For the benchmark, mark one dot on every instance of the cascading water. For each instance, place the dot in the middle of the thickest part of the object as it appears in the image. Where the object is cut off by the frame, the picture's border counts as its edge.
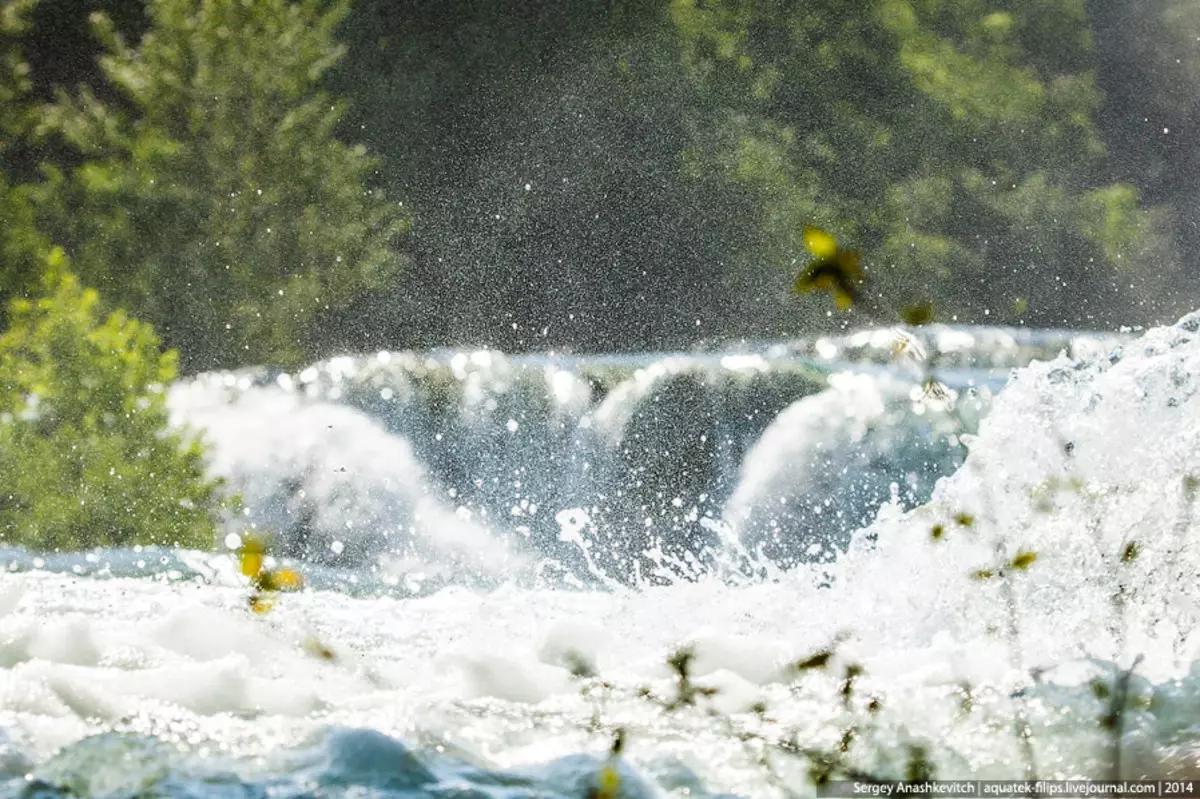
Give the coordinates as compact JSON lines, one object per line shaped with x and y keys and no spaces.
{"x":1028,"y":545}
{"x":356,"y":457}
{"x":642,"y":447}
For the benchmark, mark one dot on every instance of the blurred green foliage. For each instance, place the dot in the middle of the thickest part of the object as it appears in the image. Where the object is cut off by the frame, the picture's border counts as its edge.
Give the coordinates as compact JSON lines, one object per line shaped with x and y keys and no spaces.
{"x":213,"y":200}
{"x":568,"y":165}
{"x":22,"y":243}
{"x":14,"y":71}
{"x":954,"y":141}
{"x":86,"y":457}
{"x":539,"y":147}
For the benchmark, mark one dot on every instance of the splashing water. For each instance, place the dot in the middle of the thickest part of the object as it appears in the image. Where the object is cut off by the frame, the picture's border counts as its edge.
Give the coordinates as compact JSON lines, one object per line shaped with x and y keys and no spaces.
{"x":986,"y":628}
{"x":342,"y":488}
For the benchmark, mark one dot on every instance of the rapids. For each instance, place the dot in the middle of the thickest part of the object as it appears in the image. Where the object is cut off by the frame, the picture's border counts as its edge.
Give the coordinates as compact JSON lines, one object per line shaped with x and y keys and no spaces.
{"x":503,"y":553}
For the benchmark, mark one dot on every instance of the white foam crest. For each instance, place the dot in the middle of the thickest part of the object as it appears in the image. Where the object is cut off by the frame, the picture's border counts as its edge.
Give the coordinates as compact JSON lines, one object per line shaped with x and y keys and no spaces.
{"x":334,"y":482}
{"x":824,"y":465}
{"x":615,"y":412}
{"x":1083,"y":464}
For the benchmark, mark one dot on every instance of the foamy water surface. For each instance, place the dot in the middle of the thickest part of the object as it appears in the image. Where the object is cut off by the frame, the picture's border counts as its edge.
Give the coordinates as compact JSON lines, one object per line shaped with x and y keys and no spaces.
{"x":1062,"y":550}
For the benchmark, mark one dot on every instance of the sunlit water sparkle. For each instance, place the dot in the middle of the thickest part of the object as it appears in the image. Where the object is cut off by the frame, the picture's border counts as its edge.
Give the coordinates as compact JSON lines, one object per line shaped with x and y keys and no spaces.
{"x":142,"y":672}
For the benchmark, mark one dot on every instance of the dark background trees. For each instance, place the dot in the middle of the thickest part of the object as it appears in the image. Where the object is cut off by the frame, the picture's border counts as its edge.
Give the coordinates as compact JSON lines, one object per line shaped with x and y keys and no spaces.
{"x":596,"y":176}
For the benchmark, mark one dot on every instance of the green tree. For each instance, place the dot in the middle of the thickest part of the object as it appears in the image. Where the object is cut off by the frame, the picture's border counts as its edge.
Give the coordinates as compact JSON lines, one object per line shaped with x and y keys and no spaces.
{"x":953,"y":141}
{"x":213,"y":201}
{"x":22,"y":246}
{"x":86,"y":455}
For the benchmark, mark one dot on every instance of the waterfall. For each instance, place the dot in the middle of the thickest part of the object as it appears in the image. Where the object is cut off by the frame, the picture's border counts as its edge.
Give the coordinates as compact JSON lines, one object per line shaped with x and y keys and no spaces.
{"x":464,"y":461}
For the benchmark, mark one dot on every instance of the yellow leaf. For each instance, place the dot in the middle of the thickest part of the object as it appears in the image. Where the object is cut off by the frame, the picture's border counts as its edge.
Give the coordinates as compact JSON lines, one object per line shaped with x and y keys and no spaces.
{"x":935,"y":389}
{"x":851,"y":266}
{"x":251,"y":555}
{"x":314,"y":647}
{"x":1024,"y":560}
{"x":817,"y":661}
{"x":1130,"y":552}
{"x":252,"y":563}
{"x":287,"y":580}
{"x":608,"y":783}
{"x":819,"y":243}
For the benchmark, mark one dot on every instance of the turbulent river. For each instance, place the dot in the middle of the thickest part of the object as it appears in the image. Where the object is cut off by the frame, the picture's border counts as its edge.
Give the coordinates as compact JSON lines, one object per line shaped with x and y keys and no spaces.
{"x":757,"y":564}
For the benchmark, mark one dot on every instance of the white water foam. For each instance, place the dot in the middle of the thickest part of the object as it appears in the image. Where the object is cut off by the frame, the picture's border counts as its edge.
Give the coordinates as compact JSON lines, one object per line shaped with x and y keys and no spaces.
{"x":1089,"y":465}
{"x":841,"y":453}
{"x":1084,"y":465}
{"x":361,"y":488}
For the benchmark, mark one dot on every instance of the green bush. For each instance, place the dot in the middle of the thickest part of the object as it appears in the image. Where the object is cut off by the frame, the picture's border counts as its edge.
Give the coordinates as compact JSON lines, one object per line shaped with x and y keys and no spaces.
{"x":86,"y":455}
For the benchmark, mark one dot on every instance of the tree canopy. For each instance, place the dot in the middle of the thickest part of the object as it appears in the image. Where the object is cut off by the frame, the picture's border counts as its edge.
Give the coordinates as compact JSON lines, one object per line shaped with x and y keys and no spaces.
{"x":954,"y":142}
{"x":270,"y":182}
{"x":213,"y":199}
